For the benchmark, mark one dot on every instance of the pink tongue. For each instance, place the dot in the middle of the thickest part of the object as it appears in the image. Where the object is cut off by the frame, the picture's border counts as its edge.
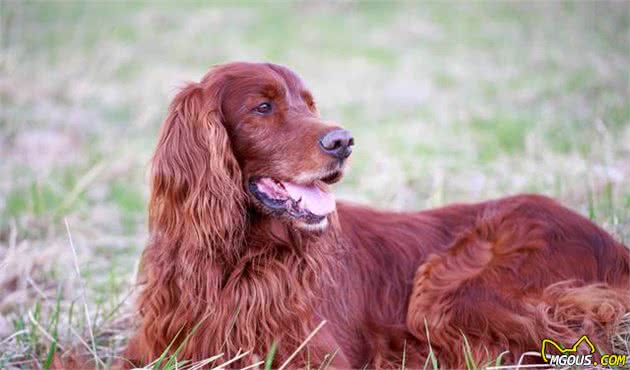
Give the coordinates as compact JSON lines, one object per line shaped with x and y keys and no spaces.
{"x":313,"y":199}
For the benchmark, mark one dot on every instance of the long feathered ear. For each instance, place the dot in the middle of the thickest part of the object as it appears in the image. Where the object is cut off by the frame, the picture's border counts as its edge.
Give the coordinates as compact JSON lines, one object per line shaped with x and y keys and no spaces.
{"x":197,"y":218}
{"x":197,"y":196}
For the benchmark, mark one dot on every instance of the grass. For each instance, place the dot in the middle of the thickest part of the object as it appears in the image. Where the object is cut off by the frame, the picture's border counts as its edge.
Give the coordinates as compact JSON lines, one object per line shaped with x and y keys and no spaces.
{"x":447,"y":102}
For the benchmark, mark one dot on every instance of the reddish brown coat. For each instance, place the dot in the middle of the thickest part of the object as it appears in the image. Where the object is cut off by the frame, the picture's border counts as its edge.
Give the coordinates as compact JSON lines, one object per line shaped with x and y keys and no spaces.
{"x":504,"y":273}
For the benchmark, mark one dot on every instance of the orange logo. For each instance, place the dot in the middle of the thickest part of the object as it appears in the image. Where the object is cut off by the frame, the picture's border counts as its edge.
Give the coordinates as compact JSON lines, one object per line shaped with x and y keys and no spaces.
{"x":570,"y":357}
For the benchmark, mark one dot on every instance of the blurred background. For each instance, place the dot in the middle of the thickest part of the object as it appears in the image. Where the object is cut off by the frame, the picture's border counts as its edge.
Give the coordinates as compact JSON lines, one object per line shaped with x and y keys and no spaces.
{"x":447,"y":101}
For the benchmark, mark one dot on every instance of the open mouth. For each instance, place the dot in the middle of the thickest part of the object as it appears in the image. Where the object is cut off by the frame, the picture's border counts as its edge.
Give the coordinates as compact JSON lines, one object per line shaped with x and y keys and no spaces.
{"x":310,"y":203}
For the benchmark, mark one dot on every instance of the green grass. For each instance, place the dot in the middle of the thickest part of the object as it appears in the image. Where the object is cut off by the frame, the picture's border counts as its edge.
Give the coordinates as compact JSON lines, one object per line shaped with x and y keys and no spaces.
{"x":447,"y":102}
{"x":500,"y":135}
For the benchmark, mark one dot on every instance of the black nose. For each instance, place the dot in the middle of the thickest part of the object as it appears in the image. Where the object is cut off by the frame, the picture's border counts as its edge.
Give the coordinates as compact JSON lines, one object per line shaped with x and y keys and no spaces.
{"x":337,"y":143}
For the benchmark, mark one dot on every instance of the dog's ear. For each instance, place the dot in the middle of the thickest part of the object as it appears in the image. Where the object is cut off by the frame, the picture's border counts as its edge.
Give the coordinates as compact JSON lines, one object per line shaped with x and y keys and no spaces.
{"x":197,"y":217}
{"x":197,"y":196}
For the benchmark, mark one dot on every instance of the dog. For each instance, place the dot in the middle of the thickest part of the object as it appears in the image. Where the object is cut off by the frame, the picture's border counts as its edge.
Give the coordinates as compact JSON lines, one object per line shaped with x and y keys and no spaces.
{"x":249,"y":250}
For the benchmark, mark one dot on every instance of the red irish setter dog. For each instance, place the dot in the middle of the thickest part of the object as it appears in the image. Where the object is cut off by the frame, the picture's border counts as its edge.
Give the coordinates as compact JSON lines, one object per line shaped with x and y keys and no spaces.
{"x":248,"y":248}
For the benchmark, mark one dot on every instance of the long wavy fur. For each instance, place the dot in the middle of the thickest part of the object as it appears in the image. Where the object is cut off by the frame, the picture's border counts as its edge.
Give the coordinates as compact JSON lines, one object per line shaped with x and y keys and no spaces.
{"x":221,"y":278}
{"x":204,"y":283}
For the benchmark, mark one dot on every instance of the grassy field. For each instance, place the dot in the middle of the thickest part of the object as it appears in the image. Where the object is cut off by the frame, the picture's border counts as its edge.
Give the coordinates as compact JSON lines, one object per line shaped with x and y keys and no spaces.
{"x":447,"y":102}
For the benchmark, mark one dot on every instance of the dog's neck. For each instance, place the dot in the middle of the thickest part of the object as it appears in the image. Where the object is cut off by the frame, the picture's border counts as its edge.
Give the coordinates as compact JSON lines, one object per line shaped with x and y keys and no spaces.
{"x":274,"y":287}
{"x":275,"y":241}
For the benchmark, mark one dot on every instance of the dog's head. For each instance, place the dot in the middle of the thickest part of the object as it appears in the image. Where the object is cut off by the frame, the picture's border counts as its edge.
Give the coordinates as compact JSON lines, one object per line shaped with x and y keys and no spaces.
{"x":248,"y":135}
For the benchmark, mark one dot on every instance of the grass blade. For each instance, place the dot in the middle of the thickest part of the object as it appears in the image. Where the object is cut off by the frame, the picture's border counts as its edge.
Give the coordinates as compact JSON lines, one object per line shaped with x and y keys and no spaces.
{"x":270,"y":355}
{"x":54,"y":324}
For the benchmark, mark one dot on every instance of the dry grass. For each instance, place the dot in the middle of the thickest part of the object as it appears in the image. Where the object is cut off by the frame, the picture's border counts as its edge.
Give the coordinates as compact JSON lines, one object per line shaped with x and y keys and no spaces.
{"x":447,"y":102}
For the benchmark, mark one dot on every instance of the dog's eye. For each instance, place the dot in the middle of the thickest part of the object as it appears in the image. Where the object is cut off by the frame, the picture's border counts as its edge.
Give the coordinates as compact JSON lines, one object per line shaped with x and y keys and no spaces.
{"x":264,"y":108}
